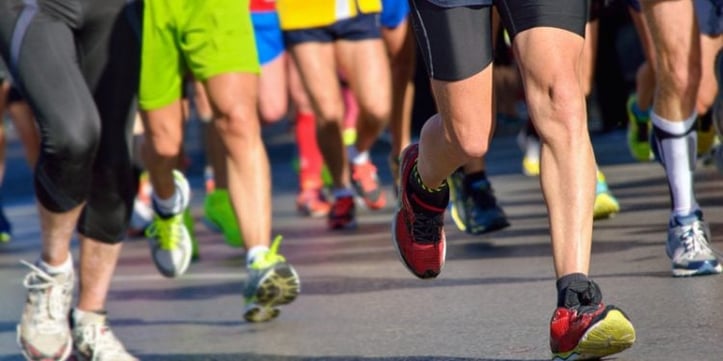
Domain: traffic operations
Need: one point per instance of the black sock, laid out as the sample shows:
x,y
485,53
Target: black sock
x,y
438,198
563,283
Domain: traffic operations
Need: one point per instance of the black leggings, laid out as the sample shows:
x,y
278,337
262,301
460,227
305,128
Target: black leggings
x,y
77,64
456,43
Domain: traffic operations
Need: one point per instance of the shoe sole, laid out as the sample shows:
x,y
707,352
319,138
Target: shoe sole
x,y
706,269
611,335
279,287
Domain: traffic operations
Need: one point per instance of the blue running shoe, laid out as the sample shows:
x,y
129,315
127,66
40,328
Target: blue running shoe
x,y
689,247
475,209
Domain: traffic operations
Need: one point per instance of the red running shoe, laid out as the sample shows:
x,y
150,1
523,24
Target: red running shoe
x,y
587,329
366,184
342,214
418,237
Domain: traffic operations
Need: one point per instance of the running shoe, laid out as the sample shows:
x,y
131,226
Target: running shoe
x,y
272,282
586,329
219,216
418,236
343,213
606,205
94,340
475,211
689,247
43,333
190,224
366,184
311,202
530,145
638,134
6,229
706,135
170,241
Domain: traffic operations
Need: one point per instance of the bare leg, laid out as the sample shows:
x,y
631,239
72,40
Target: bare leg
x,y
97,264
234,98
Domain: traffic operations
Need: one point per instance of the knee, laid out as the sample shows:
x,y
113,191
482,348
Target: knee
x,y
73,145
680,77
239,122
273,109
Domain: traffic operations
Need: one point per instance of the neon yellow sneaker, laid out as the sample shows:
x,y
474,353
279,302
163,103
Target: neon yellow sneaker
x,y
638,133
220,216
271,282
169,238
706,135
606,205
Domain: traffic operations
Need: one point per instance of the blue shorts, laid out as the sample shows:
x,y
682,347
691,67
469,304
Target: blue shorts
x,y
269,40
360,27
393,13
710,16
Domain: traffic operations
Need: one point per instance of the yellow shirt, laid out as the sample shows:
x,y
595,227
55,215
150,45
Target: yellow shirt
x,y
305,14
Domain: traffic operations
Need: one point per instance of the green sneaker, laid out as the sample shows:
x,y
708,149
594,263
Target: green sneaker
x,y
271,282
169,238
638,134
190,224
220,216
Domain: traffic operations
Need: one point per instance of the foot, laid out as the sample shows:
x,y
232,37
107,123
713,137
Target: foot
x,y
342,214
689,248
272,282
94,340
43,333
367,186
418,236
311,202
220,216
638,133
475,210
586,329
606,205
169,238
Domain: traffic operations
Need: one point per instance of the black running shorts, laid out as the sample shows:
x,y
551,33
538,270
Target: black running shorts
x,y
456,43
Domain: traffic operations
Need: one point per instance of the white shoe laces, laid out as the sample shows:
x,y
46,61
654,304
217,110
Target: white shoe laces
x,y
49,298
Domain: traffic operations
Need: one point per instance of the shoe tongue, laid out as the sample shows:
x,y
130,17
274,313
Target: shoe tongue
x,y
582,293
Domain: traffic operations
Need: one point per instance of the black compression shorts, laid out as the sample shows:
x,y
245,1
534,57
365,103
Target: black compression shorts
x,y
456,41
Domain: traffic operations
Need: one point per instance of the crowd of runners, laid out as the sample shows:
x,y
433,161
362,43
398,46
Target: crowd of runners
x,y
98,92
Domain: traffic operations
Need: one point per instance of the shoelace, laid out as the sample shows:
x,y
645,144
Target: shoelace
x,y
166,231
426,227
271,257
100,341
693,239
50,307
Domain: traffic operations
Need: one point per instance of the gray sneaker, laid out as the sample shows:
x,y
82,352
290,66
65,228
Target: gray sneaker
x,y
169,238
689,247
94,340
43,332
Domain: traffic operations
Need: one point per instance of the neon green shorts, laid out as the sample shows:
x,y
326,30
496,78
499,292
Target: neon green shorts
x,y
205,37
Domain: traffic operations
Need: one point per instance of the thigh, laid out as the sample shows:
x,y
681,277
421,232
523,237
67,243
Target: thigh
x,y
366,65
521,15
162,66
318,70
218,37
455,43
